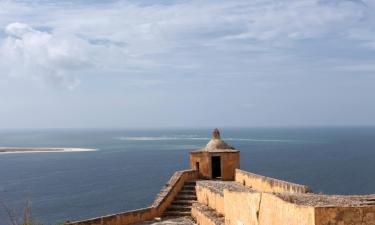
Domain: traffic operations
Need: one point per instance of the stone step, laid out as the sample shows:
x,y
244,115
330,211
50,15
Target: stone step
x,y
176,214
192,183
181,205
179,208
183,202
187,192
185,197
189,188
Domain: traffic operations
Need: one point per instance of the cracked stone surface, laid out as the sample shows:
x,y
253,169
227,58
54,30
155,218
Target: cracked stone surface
x,y
170,221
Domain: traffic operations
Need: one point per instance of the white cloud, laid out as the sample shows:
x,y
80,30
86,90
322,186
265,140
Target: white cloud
x,y
61,39
41,55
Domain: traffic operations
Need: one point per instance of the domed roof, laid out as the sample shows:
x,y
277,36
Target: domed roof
x,y
216,143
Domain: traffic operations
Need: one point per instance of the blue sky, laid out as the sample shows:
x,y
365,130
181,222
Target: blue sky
x,y
135,64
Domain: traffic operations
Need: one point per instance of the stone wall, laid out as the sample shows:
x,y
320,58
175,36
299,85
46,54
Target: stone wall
x,y
241,208
230,162
359,215
267,184
202,214
125,218
204,161
256,208
275,211
162,201
247,206
211,198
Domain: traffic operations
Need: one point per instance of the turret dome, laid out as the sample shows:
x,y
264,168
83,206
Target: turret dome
x,y
216,143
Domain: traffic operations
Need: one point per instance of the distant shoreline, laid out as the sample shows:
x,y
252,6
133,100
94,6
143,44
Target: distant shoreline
x,y
9,150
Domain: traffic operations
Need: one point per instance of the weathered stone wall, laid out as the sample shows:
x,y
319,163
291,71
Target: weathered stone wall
x,y
163,200
267,184
257,208
229,163
204,163
275,211
200,217
120,218
241,207
359,215
210,198
248,207
204,215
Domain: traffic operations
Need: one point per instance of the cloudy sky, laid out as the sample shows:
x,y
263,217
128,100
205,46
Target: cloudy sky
x,y
180,63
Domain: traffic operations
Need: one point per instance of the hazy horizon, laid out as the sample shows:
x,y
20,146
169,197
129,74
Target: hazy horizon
x,y
158,64
171,128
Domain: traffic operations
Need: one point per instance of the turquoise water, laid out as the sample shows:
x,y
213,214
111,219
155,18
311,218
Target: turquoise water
x,y
131,166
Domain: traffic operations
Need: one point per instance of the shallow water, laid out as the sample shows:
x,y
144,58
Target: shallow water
x,y
131,166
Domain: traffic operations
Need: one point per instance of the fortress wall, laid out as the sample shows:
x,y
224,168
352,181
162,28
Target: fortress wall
x,y
275,211
203,215
210,198
257,208
121,218
162,201
356,215
241,207
267,184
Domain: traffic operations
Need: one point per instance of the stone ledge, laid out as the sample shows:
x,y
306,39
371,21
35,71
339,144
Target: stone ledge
x,y
219,186
317,200
268,184
205,215
168,187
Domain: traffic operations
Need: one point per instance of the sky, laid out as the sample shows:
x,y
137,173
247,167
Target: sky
x,y
180,63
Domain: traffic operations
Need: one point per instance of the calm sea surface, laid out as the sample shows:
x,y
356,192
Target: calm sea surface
x,y
131,166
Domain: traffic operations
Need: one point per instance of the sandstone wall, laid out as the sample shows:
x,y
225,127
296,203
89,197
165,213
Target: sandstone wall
x,y
204,163
256,208
359,215
203,215
210,198
200,217
120,218
275,211
241,208
229,163
267,184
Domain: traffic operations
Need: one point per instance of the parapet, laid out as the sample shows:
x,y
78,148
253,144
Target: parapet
x,y
268,184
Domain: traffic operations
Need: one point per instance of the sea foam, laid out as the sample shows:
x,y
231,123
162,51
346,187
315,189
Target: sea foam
x,y
20,150
193,137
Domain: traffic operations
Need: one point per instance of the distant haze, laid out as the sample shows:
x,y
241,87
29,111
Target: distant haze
x,y
175,63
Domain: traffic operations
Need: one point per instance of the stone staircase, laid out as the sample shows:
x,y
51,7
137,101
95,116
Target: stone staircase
x,y
182,203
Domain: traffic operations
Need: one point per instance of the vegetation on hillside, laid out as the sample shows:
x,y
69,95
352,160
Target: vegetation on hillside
x,y
25,219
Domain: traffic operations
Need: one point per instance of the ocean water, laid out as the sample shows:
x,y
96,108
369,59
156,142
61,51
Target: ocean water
x,y
130,166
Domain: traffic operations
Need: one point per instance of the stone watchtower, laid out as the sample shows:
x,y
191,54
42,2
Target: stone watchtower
x,y
217,160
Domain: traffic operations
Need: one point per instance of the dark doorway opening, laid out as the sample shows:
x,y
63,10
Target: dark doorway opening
x,y
216,166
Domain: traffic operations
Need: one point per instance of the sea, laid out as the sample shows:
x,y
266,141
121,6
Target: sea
x,y
129,167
